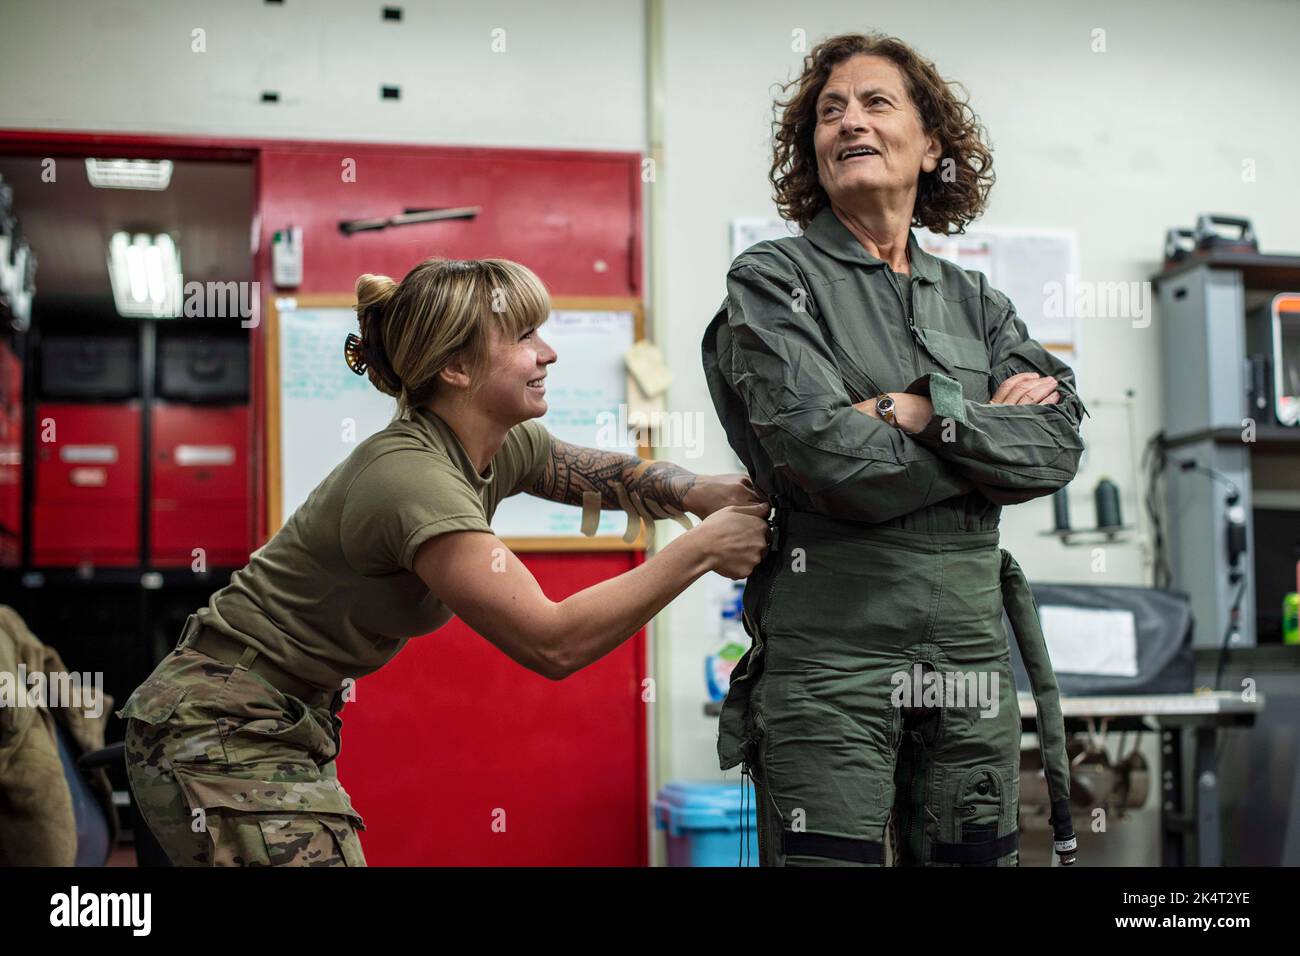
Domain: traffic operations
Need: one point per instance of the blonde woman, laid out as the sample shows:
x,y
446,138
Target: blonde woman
x,y
231,741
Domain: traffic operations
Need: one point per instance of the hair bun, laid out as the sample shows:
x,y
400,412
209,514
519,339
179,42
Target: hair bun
x,y
367,355
374,291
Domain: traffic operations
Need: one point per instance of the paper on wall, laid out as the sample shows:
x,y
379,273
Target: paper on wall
x,y
1036,269
647,366
745,232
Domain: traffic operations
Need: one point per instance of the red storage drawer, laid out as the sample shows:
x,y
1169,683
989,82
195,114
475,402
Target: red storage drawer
x,y
87,506
201,485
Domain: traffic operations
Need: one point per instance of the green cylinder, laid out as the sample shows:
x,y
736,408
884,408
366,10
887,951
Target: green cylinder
x,y
1106,496
1291,618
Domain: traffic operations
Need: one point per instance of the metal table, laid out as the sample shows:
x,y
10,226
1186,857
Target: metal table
x,y
1169,715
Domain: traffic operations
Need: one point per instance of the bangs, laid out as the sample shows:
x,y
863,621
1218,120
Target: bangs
x,y
514,297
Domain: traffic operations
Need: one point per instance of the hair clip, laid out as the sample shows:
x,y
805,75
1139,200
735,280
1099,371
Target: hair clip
x,y
354,353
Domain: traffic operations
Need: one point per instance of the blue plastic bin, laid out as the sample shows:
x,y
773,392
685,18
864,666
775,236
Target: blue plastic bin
x,y
702,823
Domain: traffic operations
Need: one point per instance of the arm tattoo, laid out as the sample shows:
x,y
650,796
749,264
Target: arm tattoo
x,y
572,469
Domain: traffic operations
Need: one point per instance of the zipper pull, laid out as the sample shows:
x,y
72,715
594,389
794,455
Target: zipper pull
x,y
775,545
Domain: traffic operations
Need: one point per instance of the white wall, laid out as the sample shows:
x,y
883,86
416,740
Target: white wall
x,y
571,77
1118,145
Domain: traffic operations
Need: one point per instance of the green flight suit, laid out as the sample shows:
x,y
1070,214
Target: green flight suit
x,y
885,564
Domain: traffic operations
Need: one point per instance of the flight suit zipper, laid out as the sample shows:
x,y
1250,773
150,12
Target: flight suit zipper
x,y
758,732
774,547
911,323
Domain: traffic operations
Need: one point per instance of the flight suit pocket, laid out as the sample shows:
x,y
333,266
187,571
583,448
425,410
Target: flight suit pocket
x,y
984,817
737,734
965,359
979,799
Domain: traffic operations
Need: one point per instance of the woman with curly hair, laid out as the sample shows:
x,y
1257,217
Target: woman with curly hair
x,y
890,403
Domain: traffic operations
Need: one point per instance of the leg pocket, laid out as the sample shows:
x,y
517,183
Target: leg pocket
x,y
301,839
153,702
982,827
240,838
256,821
735,725
345,833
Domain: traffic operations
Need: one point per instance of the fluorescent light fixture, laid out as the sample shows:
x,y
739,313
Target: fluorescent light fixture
x,y
129,173
146,275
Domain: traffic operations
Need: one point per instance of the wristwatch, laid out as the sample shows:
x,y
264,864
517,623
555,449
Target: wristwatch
x,y
885,409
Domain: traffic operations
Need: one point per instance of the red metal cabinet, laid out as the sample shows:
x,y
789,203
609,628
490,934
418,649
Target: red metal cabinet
x,y
457,756
11,456
200,485
87,499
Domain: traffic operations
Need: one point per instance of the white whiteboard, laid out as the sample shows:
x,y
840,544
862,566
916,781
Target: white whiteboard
x,y
585,388
319,395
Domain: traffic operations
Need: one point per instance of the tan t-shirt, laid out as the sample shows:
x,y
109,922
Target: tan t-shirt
x,y
333,594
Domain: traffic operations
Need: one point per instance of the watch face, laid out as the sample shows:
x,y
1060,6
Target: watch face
x,y
885,406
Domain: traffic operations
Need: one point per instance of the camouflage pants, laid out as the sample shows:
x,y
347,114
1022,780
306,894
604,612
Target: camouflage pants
x,y
229,771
